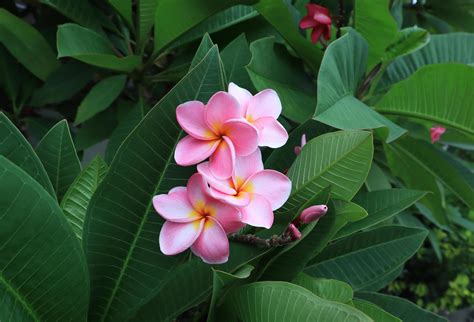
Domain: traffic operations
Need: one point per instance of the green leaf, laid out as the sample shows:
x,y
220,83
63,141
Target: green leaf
x,y
27,45
342,69
377,179
59,157
77,198
235,57
281,301
204,46
375,312
124,7
92,48
279,15
327,289
95,130
375,23
126,212
15,147
363,257
404,309
408,40
60,86
178,16
273,67
146,18
381,206
43,274
340,160
448,48
79,11
458,13
441,93
100,97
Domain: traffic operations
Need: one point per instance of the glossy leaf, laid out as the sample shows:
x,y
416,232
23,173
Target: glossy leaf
x,y
327,289
377,179
375,312
407,41
15,148
95,130
273,67
100,97
59,157
146,18
80,11
235,57
43,274
25,43
77,198
92,48
362,257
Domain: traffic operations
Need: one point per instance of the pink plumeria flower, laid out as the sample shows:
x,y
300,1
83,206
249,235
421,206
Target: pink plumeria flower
x,y
294,232
256,191
319,20
436,133
262,110
195,219
303,143
216,130
313,213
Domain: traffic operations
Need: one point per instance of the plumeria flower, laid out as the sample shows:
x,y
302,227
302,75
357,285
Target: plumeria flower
x,y
257,192
319,20
436,133
216,130
262,110
303,143
195,219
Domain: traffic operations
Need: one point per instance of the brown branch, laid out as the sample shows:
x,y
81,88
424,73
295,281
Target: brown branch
x,y
273,241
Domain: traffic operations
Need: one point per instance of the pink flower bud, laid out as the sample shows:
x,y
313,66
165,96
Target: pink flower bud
x,y
436,133
294,232
313,213
303,143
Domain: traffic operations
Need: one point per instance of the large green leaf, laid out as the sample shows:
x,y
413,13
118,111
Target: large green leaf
x,y
100,97
124,7
59,157
27,45
77,198
235,56
404,309
340,160
15,148
407,41
327,289
441,93
342,69
146,18
43,274
174,17
92,48
448,48
363,257
121,208
375,312
79,11
273,67
381,205
279,15
375,23
281,301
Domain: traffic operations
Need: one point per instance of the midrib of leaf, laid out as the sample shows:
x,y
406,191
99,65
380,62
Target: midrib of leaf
x,y
329,167
19,298
59,163
145,217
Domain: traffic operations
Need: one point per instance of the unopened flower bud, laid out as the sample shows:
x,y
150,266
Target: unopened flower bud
x,y
294,232
303,143
313,213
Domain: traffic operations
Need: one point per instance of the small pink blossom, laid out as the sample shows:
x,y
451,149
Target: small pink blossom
x,y
257,192
294,232
312,213
262,110
319,20
195,219
216,130
303,143
436,133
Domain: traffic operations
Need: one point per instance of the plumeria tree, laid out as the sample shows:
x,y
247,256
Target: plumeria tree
x,y
231,160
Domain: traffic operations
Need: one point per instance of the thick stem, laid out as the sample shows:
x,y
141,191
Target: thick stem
x,y
273,241
340,18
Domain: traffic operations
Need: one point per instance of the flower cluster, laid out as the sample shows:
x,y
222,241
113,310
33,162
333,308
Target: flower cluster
x,y
232,188
319,20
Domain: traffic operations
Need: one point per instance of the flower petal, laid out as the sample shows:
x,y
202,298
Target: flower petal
x,y
175,206
228,216
264,104
242,199
243,135
246,166
198,192
272,185
258,213
314,9
322,18
242,95
221,107
177,237
224,186
190,116
271,132
307,22
212,245
316,33
190,151
222,161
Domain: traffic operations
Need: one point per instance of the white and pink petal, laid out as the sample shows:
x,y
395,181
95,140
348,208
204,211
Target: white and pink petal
x,y
175,238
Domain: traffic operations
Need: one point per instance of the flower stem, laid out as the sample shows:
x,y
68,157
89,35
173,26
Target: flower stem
x,y
273,241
